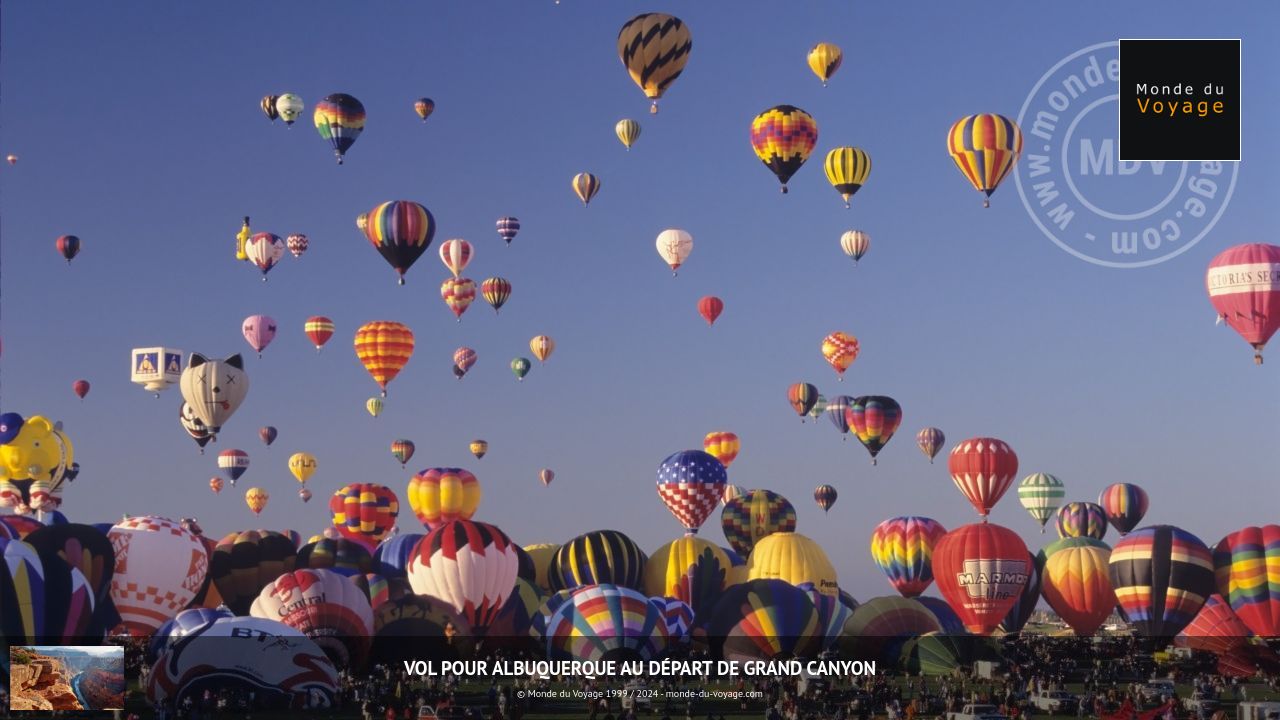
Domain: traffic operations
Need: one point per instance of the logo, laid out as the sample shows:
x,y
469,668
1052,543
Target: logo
x,y
998,579
1180,100
1103,210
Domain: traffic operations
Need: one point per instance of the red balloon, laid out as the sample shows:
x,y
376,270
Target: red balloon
x,y
710,308
983,468
1244,286
981,570
80,388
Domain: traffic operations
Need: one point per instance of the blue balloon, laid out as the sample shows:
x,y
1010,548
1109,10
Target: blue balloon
x,y
391,557
692,467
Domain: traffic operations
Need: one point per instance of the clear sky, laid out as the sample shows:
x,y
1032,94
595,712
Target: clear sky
x,y
138,129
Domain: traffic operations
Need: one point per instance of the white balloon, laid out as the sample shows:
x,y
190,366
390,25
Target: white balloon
x,y
214,389
674,246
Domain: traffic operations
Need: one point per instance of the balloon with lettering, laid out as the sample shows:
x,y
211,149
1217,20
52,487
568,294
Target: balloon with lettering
x,y
751,517
1247,569
159,568
1082,519
326,607
783,137
1076,582
1244,286
874,418
902,547
690,569
600,556
364,512
654,47
233,463
302,465
182,624
1041,494
1162,576
1125,505
946,617
981,570
985,148
470,565
983,469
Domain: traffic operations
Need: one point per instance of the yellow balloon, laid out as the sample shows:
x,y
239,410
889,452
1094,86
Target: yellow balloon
x,y
302,465
654,47
793,558
542,347
667,572
479,448
256,499
439,495
374,406
241,238
628,131
542,554
824,60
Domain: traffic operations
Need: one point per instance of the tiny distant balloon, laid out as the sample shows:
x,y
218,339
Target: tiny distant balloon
x,y
710,307
297,244
479,448
802,396
824,60
289,107
930,440
256,499
424,107
674,246
546,475
495,291
507,228
319,329
362,221
855,244
302,465
80,388
825,496
68,247
456,255
374,406
259,331
12,159
542,347
586,186
215,484
268,435
402,450
305,494
521,366
840,350
268,105
628,131
463,359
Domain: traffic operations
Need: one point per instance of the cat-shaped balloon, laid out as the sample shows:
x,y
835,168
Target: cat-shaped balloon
x,y
214,389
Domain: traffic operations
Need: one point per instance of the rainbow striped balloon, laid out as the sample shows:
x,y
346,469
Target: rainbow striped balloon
x,y
1247,566
1162,576
1125,505
903,548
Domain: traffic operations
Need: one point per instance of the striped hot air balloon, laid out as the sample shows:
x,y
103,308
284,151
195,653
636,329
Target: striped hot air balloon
x,y
585,185
722,445
1082,519
402,450
930,440
847,169
319,329
339,118
983,469
364,513
874,418
1162,576
458,294
507,228
598,557
1041,494
495,291
401,231
1077,583
1125,505
802,396
384,348
440,495
985,148
1247,568
902,547
825,496
654,47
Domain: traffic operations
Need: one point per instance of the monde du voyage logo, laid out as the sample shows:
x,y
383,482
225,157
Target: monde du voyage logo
x,y
1130,148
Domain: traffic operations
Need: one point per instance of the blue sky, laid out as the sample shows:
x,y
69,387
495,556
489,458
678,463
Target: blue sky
x,y
138,129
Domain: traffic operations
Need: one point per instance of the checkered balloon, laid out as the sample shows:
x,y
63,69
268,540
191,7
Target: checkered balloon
x,y
690,483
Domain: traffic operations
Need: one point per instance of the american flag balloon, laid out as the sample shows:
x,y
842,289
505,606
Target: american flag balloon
x,y
690,483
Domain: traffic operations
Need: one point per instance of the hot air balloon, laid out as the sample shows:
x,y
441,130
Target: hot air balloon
x,y
456,255
472,566
458,294
1125,505
763,620
690,483
903,547
847,170
1082,519
824,60
384,348
874,418
194,426
159,566
68,247
84,549
1162,575
819,407
297,244
319,329
628,131
243,563
690,569
855,244
1244,286
339,119
46,598
478,448
12,159
598,557
495,291
607,622
783,138
585,185
507,228
1076,582
258,331
983,469
256,499
364,513
840,350
674,246
326,607
754,515
268,106
930,440
1247,569
289,106
334,552
80,388
233,463
837,412
463,359
183,624
267,434
542,346
302,466
215,484
374,406
985,148
981,570
304,494
440,495
825,496
722,445
402,450
400,230
1022,610
710,307
520,366
802,397
654,48
1041,494
264,250
424,107
362,221
214,389
879,628
545,476
1216,629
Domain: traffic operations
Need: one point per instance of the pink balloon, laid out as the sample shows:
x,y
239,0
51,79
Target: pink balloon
x,y
259,331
